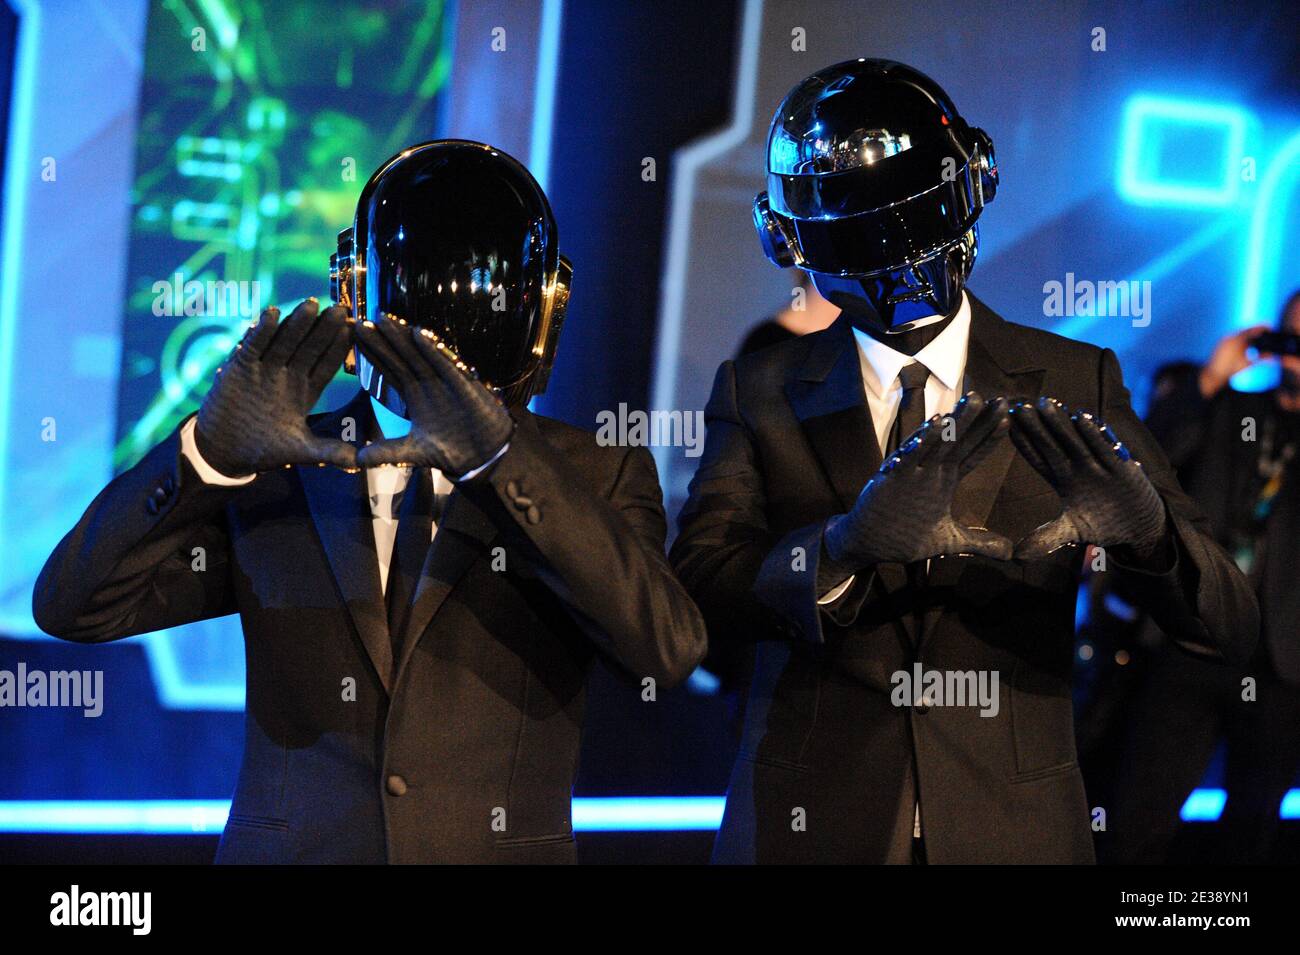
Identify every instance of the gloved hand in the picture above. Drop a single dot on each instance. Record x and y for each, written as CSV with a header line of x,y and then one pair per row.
x,y
254,418
1106,496
904,513
457,424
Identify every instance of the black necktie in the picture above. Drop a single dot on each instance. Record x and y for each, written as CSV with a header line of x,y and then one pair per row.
x,y
911,407
911,415
414,532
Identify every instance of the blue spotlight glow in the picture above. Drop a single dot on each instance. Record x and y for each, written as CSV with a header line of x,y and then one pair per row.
x,y
1291,805
1148,123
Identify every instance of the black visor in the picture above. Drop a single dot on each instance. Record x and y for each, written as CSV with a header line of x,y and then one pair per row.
x,y
888,238
458,238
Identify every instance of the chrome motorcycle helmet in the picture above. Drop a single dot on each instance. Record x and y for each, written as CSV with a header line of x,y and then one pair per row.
x,y
874,186
457,237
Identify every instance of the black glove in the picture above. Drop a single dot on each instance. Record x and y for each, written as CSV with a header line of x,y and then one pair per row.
x,y
1106,496
457,424
904,513
254,418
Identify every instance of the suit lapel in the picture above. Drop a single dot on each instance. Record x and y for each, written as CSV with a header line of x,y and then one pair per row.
x,y
462,537
829,399
340,508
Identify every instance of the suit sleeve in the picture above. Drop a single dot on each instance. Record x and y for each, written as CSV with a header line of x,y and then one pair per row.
x,y
604,558
751,584
1201,600
130,566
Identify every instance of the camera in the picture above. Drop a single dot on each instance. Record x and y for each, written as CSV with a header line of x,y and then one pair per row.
x,y
1276,343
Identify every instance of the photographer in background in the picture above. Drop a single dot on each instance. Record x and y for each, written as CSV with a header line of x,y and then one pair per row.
x,y
1235,453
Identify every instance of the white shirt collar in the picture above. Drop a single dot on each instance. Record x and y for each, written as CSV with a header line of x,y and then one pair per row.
x,y
945,356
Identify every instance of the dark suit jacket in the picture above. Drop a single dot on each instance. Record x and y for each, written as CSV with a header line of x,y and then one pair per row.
x,y
1219,469
468,753
829,768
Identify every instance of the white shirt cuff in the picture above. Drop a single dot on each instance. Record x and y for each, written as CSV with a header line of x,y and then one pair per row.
x,y
208,474
482,467
837,593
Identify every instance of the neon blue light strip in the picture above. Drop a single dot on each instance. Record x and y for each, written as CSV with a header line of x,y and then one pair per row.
x,y
175,691
18,173
1139,155
208,816
548,62
646,814
622,814
150,816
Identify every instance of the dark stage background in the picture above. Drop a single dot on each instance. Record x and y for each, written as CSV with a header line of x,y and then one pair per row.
x,y
238,163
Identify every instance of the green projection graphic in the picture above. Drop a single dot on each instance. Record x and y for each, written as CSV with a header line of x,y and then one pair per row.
x,y
259,123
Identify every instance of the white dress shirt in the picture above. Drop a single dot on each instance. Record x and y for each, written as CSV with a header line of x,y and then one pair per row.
x,y
945,357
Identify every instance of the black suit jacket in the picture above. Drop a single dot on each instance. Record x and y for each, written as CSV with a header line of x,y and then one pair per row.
x,y
829,768
1203,439
468,753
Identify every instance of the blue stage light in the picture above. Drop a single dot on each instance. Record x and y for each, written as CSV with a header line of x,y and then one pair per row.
x,y
1291,805
18,173
548,68
646,814
1204,805
208,816
607,814
1149,121
125,817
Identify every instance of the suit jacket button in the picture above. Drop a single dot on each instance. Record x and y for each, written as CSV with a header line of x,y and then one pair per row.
x,y
523,503
512,489
534,515
151,504
396,786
